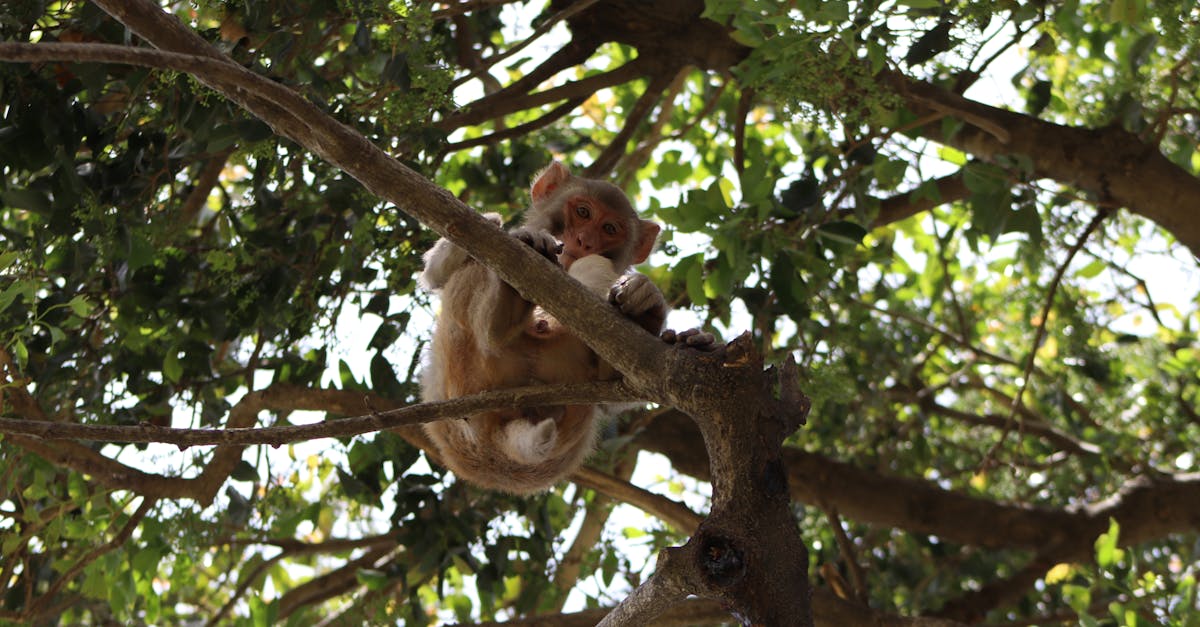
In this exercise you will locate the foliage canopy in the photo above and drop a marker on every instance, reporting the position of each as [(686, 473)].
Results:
[(971, 224)]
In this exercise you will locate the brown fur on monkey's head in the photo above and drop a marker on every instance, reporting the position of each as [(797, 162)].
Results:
[(554, 188)]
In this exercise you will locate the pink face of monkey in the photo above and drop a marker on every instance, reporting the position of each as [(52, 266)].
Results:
[(589, 218)]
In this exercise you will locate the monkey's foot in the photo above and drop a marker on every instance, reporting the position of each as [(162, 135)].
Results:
[(691, 338)]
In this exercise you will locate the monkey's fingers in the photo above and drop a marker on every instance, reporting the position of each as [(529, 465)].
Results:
[(636, 294), (540, 241), (691, 338)]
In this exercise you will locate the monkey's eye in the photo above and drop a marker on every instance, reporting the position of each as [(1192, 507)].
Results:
[(583, 211), (610, 228)]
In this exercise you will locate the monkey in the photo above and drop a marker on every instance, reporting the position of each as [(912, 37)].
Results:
[(488, 337)]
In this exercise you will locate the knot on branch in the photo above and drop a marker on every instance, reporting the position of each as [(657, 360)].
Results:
[(721, 562)]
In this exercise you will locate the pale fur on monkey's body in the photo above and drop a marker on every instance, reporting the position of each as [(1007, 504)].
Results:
[(488, 337), (514, 450)]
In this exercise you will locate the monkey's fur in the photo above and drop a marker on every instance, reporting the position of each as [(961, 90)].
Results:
[(487, 337)]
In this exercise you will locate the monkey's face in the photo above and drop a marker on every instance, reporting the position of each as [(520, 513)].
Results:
[(591, 227)]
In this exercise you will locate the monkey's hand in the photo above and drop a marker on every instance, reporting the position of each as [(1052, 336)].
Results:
[(690, 338), (640, 299), (541, 241)]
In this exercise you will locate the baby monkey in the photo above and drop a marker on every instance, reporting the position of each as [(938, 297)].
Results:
[(488, 337)]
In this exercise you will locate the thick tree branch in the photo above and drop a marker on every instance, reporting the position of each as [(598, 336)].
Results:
[(902, 206), (672, 581), (1146, 508), (1113, 164)]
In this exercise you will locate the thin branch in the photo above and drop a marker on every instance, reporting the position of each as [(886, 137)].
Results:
[(612, 153), (39, 607), (846, 548), (530, 396), (552, 116), (509, 100), (654, 136), (1041, 332), (595, 517), (292, 548), (331, 584), (739, 129), (210, 173), (674, 513), (901, 206), (545, 27)]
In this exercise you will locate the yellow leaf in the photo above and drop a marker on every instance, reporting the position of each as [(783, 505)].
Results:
[(1058, 573), (979, 481)]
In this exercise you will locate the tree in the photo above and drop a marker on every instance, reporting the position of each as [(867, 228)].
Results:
[(198, 208)]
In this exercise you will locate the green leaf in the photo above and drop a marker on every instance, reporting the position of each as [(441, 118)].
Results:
[(889, 173), (929, 45), (371, 578), (1127, 11), (80, 306), (31, 199), (985, 178), (145, 562), (244, 471), (952, 155), (1107, 553), (843, 231), (695, 285), (1078, 597), (10, 293), (7, 258), (1091, 270), (21, 351), (172, 368)]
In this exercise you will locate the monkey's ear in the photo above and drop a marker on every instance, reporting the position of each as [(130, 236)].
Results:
[(548, 180), (647, 233)]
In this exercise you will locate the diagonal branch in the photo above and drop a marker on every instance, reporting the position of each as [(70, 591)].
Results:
[(619, 341), (674, 513), (511, 100)]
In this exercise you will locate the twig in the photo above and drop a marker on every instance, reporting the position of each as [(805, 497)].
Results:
[(846, 548), (487, 63), (739, 129), (1041, 333), (466, 6)]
